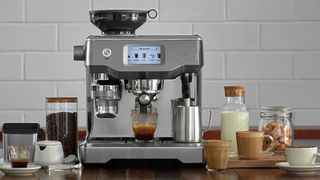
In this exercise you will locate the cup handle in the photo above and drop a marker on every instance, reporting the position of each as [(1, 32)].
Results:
[(268, 137), (317, 154), (210, 117)]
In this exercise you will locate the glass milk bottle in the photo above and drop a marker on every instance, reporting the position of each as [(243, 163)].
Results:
[(234, 115)]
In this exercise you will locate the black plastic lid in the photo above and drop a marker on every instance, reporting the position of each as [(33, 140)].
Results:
[(119, 21), (20, 128)]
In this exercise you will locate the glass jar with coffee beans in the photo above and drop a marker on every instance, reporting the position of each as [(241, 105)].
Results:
[(62, 123)]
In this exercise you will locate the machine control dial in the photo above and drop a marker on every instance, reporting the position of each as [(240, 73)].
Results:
[(106, 52)]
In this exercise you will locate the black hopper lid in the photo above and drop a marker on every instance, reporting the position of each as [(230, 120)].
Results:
[(20, 128), (120, 21)]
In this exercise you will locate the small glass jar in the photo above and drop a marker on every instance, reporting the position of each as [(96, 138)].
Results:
[(277, 122), (62, 123)]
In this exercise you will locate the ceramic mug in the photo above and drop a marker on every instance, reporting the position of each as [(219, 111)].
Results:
[(249, 144), (301, 155)]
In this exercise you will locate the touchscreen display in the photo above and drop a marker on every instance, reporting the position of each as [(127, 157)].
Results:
[(144, 55)]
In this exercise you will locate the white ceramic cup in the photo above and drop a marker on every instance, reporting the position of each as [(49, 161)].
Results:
[(301, 155)]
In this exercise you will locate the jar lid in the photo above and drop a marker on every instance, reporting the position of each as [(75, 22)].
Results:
[(61, 99), (276, 111), (49, 143), (233, 91)]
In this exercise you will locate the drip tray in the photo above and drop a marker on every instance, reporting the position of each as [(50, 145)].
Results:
[(130, 142), (127, 148)]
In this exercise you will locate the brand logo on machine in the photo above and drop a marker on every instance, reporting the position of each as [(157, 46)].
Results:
[(106, 52)]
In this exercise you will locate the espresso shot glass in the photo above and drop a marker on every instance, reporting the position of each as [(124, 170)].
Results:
[(144, 125), (19, 156)]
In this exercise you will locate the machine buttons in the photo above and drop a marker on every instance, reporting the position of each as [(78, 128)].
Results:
[(106, 52)]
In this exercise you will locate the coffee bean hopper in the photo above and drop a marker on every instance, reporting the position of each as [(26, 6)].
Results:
[(129, 73)]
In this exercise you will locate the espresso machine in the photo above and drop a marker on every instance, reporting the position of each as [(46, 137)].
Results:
[(125, 71)]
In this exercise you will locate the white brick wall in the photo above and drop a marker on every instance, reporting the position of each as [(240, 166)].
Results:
[(272, 47)]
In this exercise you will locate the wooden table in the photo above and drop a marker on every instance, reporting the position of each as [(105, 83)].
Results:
[(198, 173)]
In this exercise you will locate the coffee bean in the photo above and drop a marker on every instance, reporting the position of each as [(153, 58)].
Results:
[(63, 127)]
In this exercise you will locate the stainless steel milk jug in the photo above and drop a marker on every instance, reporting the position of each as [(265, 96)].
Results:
[(186, 120)]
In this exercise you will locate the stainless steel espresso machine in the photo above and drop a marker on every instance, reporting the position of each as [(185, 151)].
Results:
[(127, 71)]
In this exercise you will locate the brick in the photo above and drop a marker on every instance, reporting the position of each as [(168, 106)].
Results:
[(258, 10), (75, 34), (306, 117), (11, 67), (57, 11), (74, 89), (25, 95), (164, 28), (180, 10), (36, 117), (82, 118), (213, 66), (306, 65), (299, 94), (27, 37), (290, 36), (11, 117), (11, 10), (229, 36), (254, 117), (53, 66), (213, 93), (305, 9), (258, 66)]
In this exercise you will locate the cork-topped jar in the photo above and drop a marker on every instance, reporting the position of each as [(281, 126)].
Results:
[(62, 122), (234, 115)]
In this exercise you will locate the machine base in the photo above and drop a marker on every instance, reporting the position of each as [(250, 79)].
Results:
[(103, 152)]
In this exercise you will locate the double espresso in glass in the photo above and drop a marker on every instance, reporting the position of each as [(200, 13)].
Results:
[(144, 124)]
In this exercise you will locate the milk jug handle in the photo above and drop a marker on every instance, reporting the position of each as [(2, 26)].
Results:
[(210, 117)]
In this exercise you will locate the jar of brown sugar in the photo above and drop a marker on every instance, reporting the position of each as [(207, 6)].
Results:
[(62, 123)]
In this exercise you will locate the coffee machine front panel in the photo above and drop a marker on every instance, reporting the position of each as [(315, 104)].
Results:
[(144, 57)]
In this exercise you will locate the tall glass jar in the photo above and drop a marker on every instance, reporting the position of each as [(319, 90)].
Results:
[(277, 122), (234, 115), (62, 123)]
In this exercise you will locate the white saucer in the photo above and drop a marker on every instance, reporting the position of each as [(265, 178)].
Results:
[(28, 171), (301, 170)]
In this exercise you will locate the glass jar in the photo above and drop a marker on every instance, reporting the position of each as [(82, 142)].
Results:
[(234, 115), (277, 122), (62, 123)]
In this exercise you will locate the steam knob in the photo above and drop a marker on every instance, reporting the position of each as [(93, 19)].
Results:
[(144, 99), (79, 53)]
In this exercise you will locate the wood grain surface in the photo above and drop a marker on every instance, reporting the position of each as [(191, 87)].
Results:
[(266, 161), (165, 173)]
